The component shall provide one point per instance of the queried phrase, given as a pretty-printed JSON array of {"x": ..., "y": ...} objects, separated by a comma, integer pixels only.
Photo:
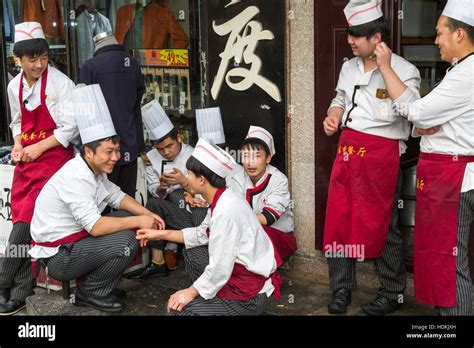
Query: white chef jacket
[
  {"x": 58, "y": 101},
  {"x": 153, "y": 172},
  {"x": 71, "y": 201},
  {"x": 271, "y": 197},
  {"x": 236, "y": 236},
  {"x": 451, "y": 106},
  {"x": 373, "y": 115}
]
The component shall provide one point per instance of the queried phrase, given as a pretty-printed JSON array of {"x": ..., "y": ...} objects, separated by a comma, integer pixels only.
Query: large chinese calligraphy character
[{"x": 243, "y": 46}]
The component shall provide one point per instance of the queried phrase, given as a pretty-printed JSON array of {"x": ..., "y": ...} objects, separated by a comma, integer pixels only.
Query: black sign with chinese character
[{"x": 244, "y": 43}]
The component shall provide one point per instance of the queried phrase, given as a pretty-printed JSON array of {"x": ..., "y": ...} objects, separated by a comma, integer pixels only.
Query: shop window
[{"x": 158, "y": 34}]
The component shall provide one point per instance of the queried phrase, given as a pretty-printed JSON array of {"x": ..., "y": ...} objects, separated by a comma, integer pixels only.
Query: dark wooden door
[{"x": 331, "y": 48}]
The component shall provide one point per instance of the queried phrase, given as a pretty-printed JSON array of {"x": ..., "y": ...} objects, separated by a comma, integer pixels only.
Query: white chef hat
[
  {"x": 209, "y": 125},
  {"x": 92, "y": 114},
  {"x": 28, "y": 31},
  {"x": 214, "y": 158},
  {"x": 156, "y": 120},
  {"x": 363, "y": 11},
  {"x": 461, "y": 10},
  {"x": 264, "y": 135}
]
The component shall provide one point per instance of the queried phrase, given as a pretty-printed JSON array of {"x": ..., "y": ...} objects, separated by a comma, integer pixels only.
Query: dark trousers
[
  {"x": 102, "y": 260},
  {"x": 195, "y": 261},
  {"x": 173, "y": 211},
  {"x": 15, "y": 270},
  {"x": 463, "y": 277}
]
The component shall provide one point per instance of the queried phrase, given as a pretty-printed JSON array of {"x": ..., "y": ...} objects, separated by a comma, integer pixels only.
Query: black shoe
[
  {"x": 119, "y": 293},
  {"x": 134, "y": 274},
  {"x": 152, "y": 271},
  {"x": 340, "y": 300},
  {"x": 11, "y": 307},
  {"x": 4, "y": 296},
  {"x": 381, "y": 306},
  {"x": 109, "y": 303}
]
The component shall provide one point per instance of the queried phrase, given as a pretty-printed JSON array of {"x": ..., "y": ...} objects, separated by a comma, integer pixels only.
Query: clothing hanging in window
[
  {"x": 89, "y": 24},
  {"x": 159, "y": 25},
  {"x": 49, "y": 13},
  {"x": 8, "y": 20}
]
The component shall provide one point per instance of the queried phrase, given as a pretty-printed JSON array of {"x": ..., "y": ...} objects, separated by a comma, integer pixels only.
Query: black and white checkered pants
[
  {"x": 195, "y": 261},
  {"x": 15, "y": 271},
  {"x": 173, "y": 211},
  {"x": 463, "y": 277},
  {"x": 101, "y": 260}
]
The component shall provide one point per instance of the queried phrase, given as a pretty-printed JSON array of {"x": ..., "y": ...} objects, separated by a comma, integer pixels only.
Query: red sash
[
  {"x": 29, "y": 178},
  {"x": 72, "y": 238},
  {"x": 361, "y": 193},
  {"x": 244, "y": 285},
  {"x": 439, "y": 182}
]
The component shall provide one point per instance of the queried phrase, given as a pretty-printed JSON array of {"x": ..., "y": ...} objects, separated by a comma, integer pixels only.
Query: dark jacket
[{"x": 122, "y": 83}]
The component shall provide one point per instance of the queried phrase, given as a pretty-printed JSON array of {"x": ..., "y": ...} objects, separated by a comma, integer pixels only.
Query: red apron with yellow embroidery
[
  {"x": 439, "y": 182},
  {"x": 29, "y": 178},
  {"x": 361, "y": 194}
]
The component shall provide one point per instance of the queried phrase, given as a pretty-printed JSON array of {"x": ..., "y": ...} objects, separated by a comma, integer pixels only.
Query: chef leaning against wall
[
  {"x": 43, "y": 132},
  {"x": 445, "y": 175}
]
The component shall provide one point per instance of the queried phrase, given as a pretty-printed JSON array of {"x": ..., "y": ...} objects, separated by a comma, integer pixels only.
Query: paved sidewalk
[{"x": 299, "y": 296}]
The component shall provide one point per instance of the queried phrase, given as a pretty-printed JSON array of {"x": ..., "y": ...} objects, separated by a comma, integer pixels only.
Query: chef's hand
[
  {"x": 164, "y": 185},
  {"x": 384, "y": 56},
  {"x": 331, "y": 125},
  {"x": 146, "y": 221},
  {"x": 31, "y": 153},
  {"x": 16, "y": 152},
  {"x": 189, "y": 199},
  {"x": 200, "y": 203},
  {"x": 181, "y": 298},
  {"x": 176, "y": 177},
  {"x": 159, "y": 221},
  {"x": 428, "y": 131},
  {"x": 146, "y": 234}
]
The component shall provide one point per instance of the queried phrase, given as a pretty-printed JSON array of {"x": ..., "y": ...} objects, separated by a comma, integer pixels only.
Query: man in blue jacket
[{"x": 123, "y": 86}]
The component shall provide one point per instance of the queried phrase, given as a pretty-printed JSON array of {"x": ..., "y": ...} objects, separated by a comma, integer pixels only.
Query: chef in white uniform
[
  {"x": 266, "y": 190},
  {"x": 361, "y": 212},
  {"x": 445, "y": 174},
  {"x": 43, "y": 133},
  {"x": 69, "y": 234},
  {"x": 167, "y": 182},
  {"x": 229, "y": 257}
]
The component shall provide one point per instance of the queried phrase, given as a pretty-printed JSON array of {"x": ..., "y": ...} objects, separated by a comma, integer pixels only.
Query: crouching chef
[
  {"x": 266, "y": 190},
  {"x": 229, "y": 257},
  {"x": 445, "y": 174},
  {"x": 67, "y": 229}
]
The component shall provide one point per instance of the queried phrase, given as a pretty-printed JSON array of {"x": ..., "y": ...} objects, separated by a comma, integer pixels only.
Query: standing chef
[
  {"x": 445, "y": 174},
  {"x": 43, "y": 131},
  {"x": 361, "y": 214}
]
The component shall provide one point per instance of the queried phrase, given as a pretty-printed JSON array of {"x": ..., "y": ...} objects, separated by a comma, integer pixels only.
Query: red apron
[
  {"x": 284, "y": 243},
  {"x": 244, "y": 285},
  {"x": 361, "y": 194},
  {"x": 439, "y": 182},
  {"x": 29, "y": 178}
]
